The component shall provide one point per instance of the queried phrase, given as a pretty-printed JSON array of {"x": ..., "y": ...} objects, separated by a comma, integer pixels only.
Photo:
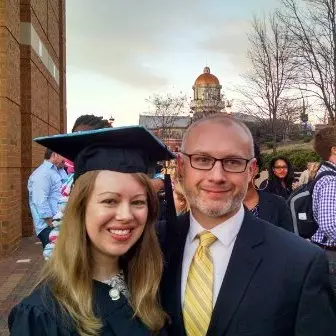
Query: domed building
[{"x": 208, "y": 98}]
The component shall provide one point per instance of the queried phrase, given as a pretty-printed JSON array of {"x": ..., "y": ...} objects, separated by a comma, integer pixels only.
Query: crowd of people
[{"x": 192, "y": 247}]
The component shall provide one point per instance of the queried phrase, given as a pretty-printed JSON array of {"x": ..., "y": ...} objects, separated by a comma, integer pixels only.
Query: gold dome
[{"x": 206, "y": 78}]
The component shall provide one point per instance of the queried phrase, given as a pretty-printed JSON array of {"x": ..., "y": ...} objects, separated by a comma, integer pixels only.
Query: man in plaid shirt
[{"x": 324, "y": 198}]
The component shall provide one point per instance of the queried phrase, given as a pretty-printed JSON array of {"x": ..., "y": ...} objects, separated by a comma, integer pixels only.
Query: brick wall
[
  {"x": 10, "y": 126},
  {"x": 32, "y": 103}
]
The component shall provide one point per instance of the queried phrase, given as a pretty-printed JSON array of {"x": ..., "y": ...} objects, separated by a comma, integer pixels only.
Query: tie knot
[{"x": 206, "y": 238}]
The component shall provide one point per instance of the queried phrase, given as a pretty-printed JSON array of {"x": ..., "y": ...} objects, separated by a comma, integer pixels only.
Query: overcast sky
[{"x": 119, "y": 52}]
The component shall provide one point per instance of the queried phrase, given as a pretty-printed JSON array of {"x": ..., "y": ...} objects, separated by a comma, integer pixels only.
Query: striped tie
[{"x": 197, "y": 308}]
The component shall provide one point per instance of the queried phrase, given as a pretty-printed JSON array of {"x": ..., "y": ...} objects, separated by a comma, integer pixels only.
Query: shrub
[{"x": 298, "y": 158}]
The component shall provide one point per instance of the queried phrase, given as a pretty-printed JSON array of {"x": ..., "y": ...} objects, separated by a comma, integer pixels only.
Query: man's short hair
[
  {"x": 47, "y": 154},
  {"x": 91, "y": 121},
  {"x": 219, "y": 118},
  {"x": 324, "y": 140}
]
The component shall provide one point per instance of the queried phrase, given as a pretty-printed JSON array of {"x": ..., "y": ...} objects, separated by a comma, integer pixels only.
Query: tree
[
  {"x": 312, "y": 26},
  {"x": 266, "y": 93},
  {"x": 165, "y": 111}
]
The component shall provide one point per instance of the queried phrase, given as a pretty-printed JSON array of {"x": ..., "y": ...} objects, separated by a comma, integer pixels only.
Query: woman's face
[
  {"x": 116, "y": 213},
  {"x": 280, "y": 169}
]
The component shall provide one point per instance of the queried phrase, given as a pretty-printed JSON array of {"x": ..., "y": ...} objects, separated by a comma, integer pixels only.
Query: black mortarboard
[{"x": 124, "y": 149}]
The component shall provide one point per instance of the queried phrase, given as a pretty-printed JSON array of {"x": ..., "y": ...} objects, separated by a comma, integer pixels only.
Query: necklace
[{"x": 118, "y": 286}]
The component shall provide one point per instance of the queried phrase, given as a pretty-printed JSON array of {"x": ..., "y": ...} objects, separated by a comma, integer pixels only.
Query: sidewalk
[{"x": 18, "y": 275}]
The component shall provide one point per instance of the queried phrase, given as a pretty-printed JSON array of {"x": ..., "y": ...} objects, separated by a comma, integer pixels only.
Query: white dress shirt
[{"x": 221, "y": 249}]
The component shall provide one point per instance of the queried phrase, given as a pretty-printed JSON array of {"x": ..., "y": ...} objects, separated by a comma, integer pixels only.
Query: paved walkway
[{"x": 18, "y": 275}]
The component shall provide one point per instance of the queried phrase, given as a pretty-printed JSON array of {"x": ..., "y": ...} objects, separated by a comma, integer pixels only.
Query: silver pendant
[{"x": 114, "y": 294}]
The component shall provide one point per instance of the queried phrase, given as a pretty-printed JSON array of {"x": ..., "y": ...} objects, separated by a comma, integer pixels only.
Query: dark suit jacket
[
  {"x": 274, "y": 209},
  {"x": 276, "y": 284}
]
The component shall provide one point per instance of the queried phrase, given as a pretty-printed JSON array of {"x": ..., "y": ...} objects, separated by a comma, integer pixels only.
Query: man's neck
[
  {"x": 208, "y": 222},
  {"x": 332, "y": 159}
]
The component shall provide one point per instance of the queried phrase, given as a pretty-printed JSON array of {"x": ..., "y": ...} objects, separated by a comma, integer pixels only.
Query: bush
[
  {"x": 269, "y": 144},
  {"x": 298, "y": 158}
]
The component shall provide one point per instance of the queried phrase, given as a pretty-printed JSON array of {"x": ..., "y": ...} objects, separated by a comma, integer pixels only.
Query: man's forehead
[{"x": 207, "y": 134}]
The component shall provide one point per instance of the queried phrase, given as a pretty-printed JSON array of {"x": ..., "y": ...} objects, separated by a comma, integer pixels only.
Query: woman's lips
[{"x": 120, "y": 234}]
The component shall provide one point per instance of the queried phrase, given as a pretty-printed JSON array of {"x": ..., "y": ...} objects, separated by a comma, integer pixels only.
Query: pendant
[{"x": 114, "y": 294}]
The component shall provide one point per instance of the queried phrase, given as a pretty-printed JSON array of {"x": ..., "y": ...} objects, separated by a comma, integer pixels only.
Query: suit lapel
[
  {"x": 245, "y": 259},
  {"x": 171, "y": 288}
]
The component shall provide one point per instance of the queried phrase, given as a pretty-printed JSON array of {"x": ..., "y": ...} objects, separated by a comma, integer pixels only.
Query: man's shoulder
[{"x": 288, "y": 243}]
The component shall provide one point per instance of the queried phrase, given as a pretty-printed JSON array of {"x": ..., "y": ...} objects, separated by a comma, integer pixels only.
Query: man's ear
[
  {"x": 333, "y": 150},
  {"x": 180, "y": 166}
]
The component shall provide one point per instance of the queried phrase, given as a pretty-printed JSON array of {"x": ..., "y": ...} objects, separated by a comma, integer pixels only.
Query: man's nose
[{"x": 217, "y": 172}]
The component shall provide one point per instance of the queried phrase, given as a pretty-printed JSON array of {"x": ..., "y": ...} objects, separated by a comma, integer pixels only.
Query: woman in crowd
[
  {"x": 280, "y": 177},
  {"x": 267, "y": 206},
  {"x": 104, "y": 274}
]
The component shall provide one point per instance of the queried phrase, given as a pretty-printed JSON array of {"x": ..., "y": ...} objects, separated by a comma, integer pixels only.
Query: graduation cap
[{"x": 130, "y": 149}]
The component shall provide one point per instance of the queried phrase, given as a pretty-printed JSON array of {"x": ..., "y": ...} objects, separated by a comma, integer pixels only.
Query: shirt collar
[
  {"x": 225, "y": 232},
  {"x": 48, "y": 164}
]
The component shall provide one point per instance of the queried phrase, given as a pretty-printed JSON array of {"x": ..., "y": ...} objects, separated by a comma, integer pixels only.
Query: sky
[{"x": 120, "y": 52}]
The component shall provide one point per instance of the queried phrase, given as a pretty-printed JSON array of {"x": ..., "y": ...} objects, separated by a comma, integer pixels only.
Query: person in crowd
[
  {"x": 104, "y": 275},
  {"x": 324, "y": 197},
  {"x": 309, "y": 174},
  {"x": 88, "y": 122},
  {"x": 267, "y": 206},
  {"x": 280, "y": 177},
  {"x": 83, "y": 123},
  {"x": 44, "y": 188},
  {"x": 226, "y": 271}
]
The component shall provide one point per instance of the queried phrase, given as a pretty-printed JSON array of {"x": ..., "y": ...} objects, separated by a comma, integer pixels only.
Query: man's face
[
  {"x": 215, "y": 194},
  {"x": 58, "y": 160}
]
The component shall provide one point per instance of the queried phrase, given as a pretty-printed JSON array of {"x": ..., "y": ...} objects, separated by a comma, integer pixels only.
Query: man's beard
[{"x": 218, "y": 208}]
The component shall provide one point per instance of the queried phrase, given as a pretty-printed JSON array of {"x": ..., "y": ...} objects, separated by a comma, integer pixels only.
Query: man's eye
[
  {"x": 234, "y": 162},
  {"x": 202, "y": 159}
]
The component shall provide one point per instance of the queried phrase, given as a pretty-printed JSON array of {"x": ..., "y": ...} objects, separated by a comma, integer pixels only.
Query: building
[
  {"x": 32, "y": 102},
  {"x": 208, "y": 98},
  {"x": 169, "y": 129}
]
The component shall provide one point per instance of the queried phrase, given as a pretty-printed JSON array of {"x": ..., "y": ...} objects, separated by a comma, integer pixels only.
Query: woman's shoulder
[{"x": 38, "y": 314}]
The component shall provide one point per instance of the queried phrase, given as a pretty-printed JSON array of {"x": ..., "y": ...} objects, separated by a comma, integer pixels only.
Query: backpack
[{"x": 301, "y": 205}]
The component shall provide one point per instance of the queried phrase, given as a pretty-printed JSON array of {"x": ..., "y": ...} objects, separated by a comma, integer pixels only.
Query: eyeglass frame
[{"x": 247, "y": 161}]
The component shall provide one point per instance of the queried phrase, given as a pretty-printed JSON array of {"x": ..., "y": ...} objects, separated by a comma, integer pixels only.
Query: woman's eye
[
  {"x": 109, "y": 201},
  {"x": 139, "y": 203}
]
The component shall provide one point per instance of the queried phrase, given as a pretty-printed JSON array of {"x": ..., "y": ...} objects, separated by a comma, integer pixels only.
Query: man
[
  {"x": 228, "y": 272},
  {"x": 324, "y": 198},
  {"x": 44, "y": 186}
]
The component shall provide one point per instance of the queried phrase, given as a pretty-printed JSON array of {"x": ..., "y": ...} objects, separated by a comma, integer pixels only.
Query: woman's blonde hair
[
  {"x": 180, "y": 195},
  {"x": 69, "y": 273}
]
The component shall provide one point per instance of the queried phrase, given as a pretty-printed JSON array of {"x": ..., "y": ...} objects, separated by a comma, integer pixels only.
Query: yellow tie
[{"x": 197, "y": 307}]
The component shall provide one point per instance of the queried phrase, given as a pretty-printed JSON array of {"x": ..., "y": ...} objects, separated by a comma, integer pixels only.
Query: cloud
[{"x": 122, "y": 39}]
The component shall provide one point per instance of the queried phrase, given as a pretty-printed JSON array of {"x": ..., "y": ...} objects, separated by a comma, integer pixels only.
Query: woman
[
  {"x": 104, "y": 274},
  {"x": 267, "y": 206},
  {"x": 280, "y": 177}
]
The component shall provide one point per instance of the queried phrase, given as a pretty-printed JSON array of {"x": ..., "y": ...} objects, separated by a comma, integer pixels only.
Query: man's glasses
[{"x": 205, "y": 162}]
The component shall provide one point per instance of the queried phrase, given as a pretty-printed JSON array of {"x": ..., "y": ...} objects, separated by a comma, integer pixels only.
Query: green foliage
[
  {"x": 298, "y": 158},
  {"x": 268, "y": 144}
]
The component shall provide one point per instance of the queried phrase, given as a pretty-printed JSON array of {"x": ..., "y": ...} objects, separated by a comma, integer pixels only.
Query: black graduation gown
[{"x": 39, "y": 315}]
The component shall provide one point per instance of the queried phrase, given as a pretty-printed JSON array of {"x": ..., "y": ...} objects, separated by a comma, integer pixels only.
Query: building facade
[
  {"x": 208, "y": 98},
  {"x": 32, "y": 102}
]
